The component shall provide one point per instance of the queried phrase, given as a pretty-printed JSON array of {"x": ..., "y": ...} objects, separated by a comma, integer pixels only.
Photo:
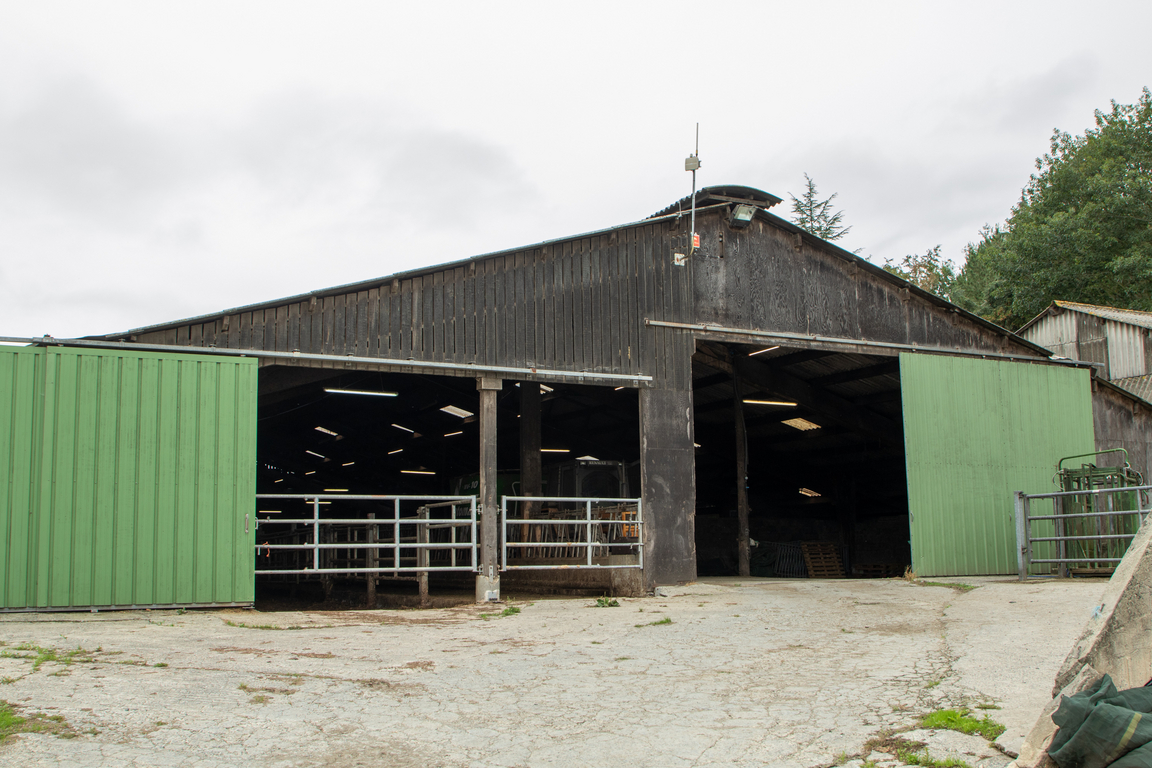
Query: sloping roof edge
[
  {"x": 722, "y": 196},
  {"x": 1116, "y": 314}
]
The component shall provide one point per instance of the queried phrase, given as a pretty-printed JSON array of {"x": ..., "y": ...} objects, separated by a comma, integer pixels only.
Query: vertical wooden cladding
[
  {"x": 130, "y": 477},
  {"x": 768, "y": 281},
  {"x": 576, "y": 305}
]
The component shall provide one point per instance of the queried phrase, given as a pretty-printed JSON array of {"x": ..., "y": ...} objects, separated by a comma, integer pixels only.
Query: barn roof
[{"x": 1130, "y": 316}]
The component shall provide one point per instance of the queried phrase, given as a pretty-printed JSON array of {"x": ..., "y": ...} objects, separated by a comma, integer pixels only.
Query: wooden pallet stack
[{"x": 823, "y": 560}]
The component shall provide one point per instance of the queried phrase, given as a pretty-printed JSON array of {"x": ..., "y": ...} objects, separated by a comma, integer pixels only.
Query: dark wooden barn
[{"x": 762, "y": 389}]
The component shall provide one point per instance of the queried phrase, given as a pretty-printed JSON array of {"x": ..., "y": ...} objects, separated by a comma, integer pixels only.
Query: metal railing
[
  {"x": 1086, "y": 527},
  {"x": 571, "y": 532},
  {"x": 370, "y": 544}
]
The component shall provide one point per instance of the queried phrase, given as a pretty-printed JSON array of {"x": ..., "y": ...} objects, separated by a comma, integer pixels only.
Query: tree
[
  {"x": 815, "y": 215},
  {"x": 929, "y": 271},
  {"x": 1082, "y": 230}
]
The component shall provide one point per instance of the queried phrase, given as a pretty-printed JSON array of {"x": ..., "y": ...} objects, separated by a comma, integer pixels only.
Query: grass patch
[
  {"x": 259, "y": 699},
  {"x": 951, "y": 585},
  {"x": 12, "y": 723},
  {"x": 924, "y": 759},
  {"x": 961, "y": 720},
  {"x": 510, "y": 611},
  {"x": 269, "y": 626},
  {"x": 607, "y": 602},
  {"x": 623, "y": 658},
  {"x": 661, "y": 622},
  {"x": 40, "y": 655}
]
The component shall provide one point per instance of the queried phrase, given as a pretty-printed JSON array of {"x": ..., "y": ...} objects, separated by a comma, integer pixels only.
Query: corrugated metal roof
[
  {"x": 1131, "y": 316},
  {"x": 717, "y": 194},
  {"x": 1141, "y": 386}
]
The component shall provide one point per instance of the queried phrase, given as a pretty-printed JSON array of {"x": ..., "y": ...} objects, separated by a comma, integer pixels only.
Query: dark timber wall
[
  {"x": 1123, "y": 422},
  {"x": 581, "y": 305}
]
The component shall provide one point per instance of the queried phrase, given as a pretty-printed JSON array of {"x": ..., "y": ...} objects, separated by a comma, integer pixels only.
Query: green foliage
[
  {"x": 927, "y": 761},
  {"x": 930, "y": 271},
  {"x": 659, "y": 623},
  {"x": 815, "y": 215},
  {"x": 960, "y": 720},
  {"x": 510, "y": 611},
  {"x": 37, "y": 722},
  {"x": 1082, "y": 230},
  {"x": 607, "y": 602}
]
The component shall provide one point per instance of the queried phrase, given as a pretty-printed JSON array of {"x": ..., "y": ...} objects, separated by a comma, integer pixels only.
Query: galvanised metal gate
[
  {"x": 571, "y": 532},
  {"x": 1058, "y": 534},
  {"x": 437, "y": 534}
]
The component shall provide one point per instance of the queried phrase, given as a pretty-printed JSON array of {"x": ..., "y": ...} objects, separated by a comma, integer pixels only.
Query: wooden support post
[
  {"x": 531, "y": 477},
  {"x": 422, "y": 558},
  {"x": 741, "y": 478},
  {"x": 373, "y": 559},
  {"x": 488, "y": 581}
]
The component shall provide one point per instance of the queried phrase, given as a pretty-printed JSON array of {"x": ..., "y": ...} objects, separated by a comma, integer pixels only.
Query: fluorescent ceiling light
[
  {"x": 404, "y": 428},
  {"x": 801, "y": 424},
  {"x": 618, "y": 389},
  {"x": 360, "y": 392},
  {"x": 335, "y": 490},
  {"x": 398, "y": 450},
  {"x": 310, "y": 473},
  {"x": 450, "y": 434},
  {"x": 347, "y": 463},
  {"x": 317, "y": 455},
  {"x": 808, "y": 492},
  {"x": 553, "y": 450},
  {"x": 278, "y": 481},
  {"x": 456, "y": 411},
  {"x": 771, "y": 402},
  {"x": 588, "y": 458},
  {"x": 416, "y": 472},
  {"x": 268, "y": 511},
  {"x": 326, "y": 431},
  {"x": 697, "y": 445},
  {"x": 762, "y": 351},
  {"x": 545, "y": 388}
]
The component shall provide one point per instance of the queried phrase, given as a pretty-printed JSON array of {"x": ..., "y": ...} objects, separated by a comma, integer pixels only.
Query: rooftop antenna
[{"x": 692, "y": 163}]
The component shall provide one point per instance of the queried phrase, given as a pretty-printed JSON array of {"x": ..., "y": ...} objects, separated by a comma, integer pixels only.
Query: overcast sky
[{"x": 159, "y": 163}]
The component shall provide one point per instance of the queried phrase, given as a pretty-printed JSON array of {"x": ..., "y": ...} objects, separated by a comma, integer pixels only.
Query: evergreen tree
[{"x": 815, "y": 215}]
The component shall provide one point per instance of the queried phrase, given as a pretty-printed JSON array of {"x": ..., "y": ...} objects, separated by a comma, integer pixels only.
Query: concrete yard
[{"x": 749, "y": 672}]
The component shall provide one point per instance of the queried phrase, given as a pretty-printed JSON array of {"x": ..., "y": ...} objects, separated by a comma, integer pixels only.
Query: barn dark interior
[
  {"x": 330, "y": 432},
  {"x": 825, "y": 458}
]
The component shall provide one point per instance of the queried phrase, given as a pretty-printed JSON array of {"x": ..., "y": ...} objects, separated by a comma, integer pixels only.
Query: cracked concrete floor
[{"x": 750, "y": 672}]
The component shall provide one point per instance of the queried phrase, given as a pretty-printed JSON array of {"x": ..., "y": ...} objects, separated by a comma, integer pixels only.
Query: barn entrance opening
[
  {"x": 826, "y": 490},
  {"x": 340, "y": 433}
]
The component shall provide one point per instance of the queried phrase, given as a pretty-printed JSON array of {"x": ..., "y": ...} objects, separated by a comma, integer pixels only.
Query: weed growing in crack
[
  {"x": 926, "y": 760},
  {"x": 607, "y": 602},
  {"x": 661, "y": 622},
  {"x": 37, "y": 722},
  {"x": 961, "y": 720},
  {"x": 271, "y": 626}
]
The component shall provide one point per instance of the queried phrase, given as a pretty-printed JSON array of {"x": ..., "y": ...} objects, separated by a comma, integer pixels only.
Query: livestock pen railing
[
  {"x": 540, "y": 532},
  {"x": 365, "y": 534},
  {"x": 1087, "y": 528}
]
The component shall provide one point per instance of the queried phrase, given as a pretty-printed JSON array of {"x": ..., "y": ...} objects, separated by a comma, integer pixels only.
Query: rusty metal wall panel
[
  {"x": 131, "y": 479},
  {"x": 1126, "y": 344},
  {"x": 975, "y": 431}
]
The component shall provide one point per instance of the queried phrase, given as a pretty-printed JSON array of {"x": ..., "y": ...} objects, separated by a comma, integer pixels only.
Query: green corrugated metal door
[
  {"x": 974, "y": 432},
  {"x": 129, "y": 478}
]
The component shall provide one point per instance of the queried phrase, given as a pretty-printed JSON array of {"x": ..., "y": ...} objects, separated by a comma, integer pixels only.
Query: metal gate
[
  {"x": 1089, "y": 528},
  {"x": 571, "y": 532},
  {"x": 361, "y": 534}
]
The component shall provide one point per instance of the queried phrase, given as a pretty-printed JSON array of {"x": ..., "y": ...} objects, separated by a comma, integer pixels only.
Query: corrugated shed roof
[
  {"x": 1141, "y": 386},
  {"x": 1130, "y": 316}
]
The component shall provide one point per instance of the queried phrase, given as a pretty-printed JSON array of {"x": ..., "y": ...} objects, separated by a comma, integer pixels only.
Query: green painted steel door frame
[
  {"x": 129, "y": 479},
  {"x": 975, "y": 431}
]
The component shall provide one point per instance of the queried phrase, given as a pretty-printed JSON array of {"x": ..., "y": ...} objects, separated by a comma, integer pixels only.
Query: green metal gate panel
[
  {"x": 126, "y": 478},
  {"x": 974, "y": 432}
]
